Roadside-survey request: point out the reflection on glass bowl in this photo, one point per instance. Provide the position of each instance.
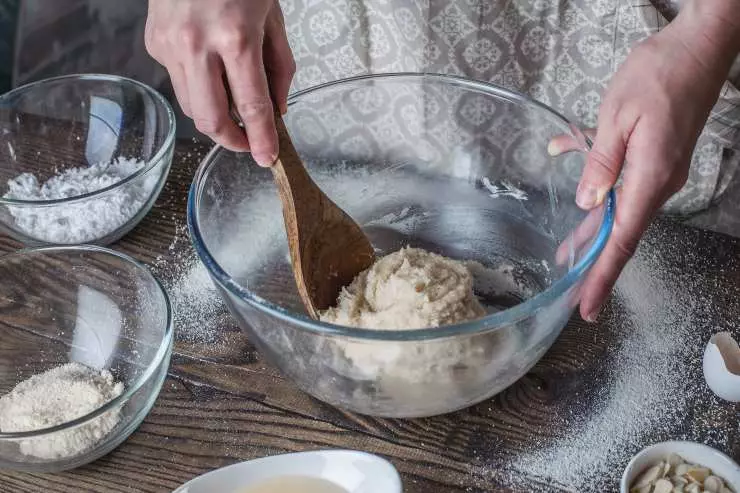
(442, 163)
(82, 158)
(87, 305)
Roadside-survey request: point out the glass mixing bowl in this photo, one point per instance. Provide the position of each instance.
(88, 305)
(447, 164)
(116, 134)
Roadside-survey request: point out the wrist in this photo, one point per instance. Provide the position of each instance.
(716, 21)
(710, 30)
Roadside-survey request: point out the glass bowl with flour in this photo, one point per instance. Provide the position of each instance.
(82, 158)
(481, 248)
(86, 342)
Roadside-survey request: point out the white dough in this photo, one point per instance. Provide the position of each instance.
(408, 289)
(415, 289)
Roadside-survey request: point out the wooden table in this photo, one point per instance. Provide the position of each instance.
(221, 405)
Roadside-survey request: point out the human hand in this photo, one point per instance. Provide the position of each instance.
(651, 117)
(242, 43)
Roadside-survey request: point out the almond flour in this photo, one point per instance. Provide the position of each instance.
(58, 396)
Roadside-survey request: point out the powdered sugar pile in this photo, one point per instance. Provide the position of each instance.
(84, 220)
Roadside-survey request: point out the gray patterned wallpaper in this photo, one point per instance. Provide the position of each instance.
(560, 52)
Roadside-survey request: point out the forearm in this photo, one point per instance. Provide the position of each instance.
(711, 30)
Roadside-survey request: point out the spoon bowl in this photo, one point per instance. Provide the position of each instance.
(327, 247)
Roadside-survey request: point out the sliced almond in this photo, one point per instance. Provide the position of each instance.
(674, 460)
(698, 473)
(713, 484)
(679, 480)
(649, 476)
(643, 489)
(692, 488)
(662, 486)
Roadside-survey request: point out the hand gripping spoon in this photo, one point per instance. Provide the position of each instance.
(327, 248)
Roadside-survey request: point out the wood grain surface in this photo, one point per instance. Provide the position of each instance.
(221, 403)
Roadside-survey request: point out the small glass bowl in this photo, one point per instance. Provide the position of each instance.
(90, 305)
(82, 121)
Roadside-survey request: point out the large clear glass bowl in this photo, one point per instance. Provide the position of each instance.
(86, 121)
(89, 305)
(451, 165)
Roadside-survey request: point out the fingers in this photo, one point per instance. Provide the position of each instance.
(579, 237)
(603, 163)
(278, 58)
(560, 144)
(647, 184)
(250, 91)
(180, 86)
(209, 103)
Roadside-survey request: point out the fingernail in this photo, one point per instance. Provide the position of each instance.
(265, 160)
(593, 316)
(553, 149)
(588, 196)
(283, 108)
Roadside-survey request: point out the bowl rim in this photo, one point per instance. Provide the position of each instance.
(487, 323)
(150, 163)
(670, 446)
(269, 461)
(161, 355)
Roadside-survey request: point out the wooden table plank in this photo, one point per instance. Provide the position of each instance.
(221, 403)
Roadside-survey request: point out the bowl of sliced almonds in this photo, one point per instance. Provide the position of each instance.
(681, 467)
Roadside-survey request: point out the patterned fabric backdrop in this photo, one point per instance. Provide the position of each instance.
(560, 52)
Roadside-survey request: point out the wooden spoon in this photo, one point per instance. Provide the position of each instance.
(327, 248)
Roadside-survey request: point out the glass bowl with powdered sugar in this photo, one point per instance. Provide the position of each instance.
(82, 158)
(481, 246)
(85, 347)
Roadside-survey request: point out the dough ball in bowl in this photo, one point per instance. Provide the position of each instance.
(408, 289)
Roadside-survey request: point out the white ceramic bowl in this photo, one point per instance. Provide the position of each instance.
(355, 472)
(696, 453)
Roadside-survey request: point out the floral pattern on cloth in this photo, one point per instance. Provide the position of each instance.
(560, 53)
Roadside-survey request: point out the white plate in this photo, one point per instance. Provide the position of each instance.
(693, 452)
(356, 472)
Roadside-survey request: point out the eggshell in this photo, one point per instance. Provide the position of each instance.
(721, 370)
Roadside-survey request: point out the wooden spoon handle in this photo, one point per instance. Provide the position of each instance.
(302, 202)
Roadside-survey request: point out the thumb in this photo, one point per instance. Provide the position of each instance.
(603, 165)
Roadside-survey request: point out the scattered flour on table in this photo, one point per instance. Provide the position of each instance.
(58, 396)
(198, 311)
(641, 398)
(85, 220)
